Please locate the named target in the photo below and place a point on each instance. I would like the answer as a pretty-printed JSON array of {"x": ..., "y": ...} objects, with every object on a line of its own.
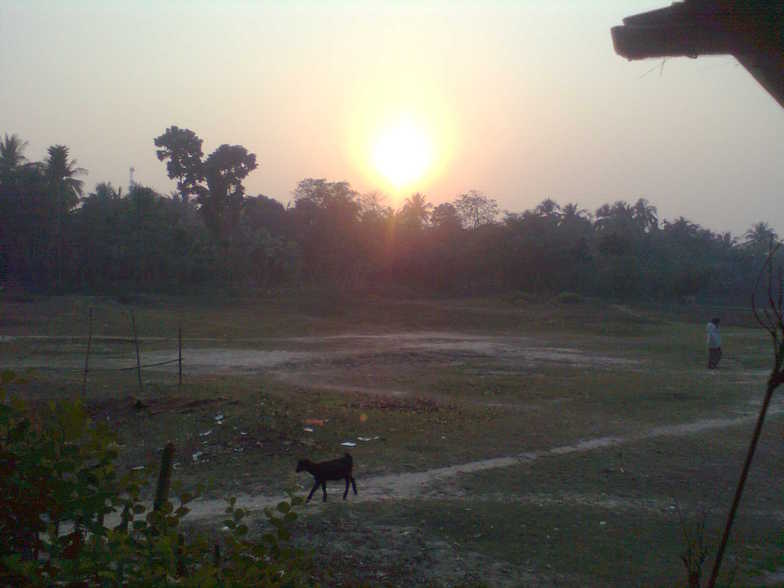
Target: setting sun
[{"x": 402, "y": 154}]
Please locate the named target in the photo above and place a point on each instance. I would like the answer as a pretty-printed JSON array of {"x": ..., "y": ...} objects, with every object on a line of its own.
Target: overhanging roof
[{"x": 751, "y": 30}]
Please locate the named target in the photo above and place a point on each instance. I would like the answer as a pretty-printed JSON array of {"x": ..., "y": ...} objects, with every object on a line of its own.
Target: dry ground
[{"x": 496, "y": 441}]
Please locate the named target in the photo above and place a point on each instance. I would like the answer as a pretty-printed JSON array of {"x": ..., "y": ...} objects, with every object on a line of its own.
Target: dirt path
[
  {"x": 300, "y": 351},
  {"x": 405, "y": 486}
]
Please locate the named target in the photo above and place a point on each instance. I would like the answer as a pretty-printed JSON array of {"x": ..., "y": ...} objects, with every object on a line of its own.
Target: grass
[{"x": 626, "y": 371}]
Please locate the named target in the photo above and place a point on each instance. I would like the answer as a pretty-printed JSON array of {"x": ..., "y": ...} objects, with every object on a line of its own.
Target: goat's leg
[
  {"x": 345, "y": 493},
  {"x": 312, "y": 490},
  {"x": 353, "y": 485},
  {"x": 324, "y": 488}
]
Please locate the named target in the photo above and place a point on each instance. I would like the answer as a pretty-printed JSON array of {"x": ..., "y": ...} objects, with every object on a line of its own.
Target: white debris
[
  {"x": 205, "y": 433},
  {"x": 348, "y": 444}
]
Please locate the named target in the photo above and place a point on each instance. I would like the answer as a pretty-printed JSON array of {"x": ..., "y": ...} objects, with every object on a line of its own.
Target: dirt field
[{"x": 496, "y": 442}]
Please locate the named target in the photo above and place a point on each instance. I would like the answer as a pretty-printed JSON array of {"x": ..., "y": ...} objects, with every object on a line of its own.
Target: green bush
[{"x": 61, "y": 489}]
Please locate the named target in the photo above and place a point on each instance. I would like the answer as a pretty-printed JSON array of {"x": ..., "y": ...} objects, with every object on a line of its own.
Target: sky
[{"x": 521, "y": 100}]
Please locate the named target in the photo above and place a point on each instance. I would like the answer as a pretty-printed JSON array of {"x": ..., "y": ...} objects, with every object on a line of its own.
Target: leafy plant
[{"x": 70, "y": 518}]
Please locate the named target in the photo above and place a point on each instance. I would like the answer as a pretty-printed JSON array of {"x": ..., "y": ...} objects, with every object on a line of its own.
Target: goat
[{"x": 336, "y": 469}]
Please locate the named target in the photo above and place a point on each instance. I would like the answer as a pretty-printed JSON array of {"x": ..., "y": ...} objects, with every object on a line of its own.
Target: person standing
[{"x": 714, "y": 343}]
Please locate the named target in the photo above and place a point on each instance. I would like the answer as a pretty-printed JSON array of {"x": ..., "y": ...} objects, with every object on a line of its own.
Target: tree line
[{"x": 209, "y": 233}]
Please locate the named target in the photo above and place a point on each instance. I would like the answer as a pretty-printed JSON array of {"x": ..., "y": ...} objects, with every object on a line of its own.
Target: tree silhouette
[
  {"x": 181, "y": 149},
  {"x": 445, "y": 217},
  {"x": 476, "y": 209},
  {"x": 11, "y": 155},
  {"x": 64, "y": 193},
  {"x": 415, "y": 212},
  {"x": 61, "y": 175},
  {"x": 758, "y": 238},
  {"x": 221, "y": 200}
]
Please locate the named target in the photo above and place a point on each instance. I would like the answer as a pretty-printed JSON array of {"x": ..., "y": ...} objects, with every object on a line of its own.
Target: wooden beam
[{"x": 750, "y": 30}]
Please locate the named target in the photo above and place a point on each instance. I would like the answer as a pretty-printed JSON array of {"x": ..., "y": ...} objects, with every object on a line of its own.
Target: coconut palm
[
  {"x": 548, "y": 208},
  {"x": 12, "y": 157},
  {"x": 416, "y": 211},
  {"x": 759, "y": 238},
  {"x": 64, "y": 191},
  {"x": 61, "y": 172},
  {"x": 645, "y": 215}
]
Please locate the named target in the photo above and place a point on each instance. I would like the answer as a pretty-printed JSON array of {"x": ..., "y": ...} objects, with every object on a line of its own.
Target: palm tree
[
  {"x": 11, "y": 156},
  {"x": 416, "y": 210},
  {"x": 759, "y": 238},
  {"x": 548, "y": 208},
  {"x": 572, "y": 212},
  {"x": 61, "y": 175},
  {"x": 760, "y": 232},
  {"x": 64, "y": 190},
  {"x": 645, "y": 215}
]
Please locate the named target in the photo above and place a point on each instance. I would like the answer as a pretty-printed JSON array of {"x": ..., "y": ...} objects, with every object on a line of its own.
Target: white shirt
[{"x": 713, "y": 336}]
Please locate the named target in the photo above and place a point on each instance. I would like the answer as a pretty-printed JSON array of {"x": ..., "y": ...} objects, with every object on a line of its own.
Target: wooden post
[
  {"x": 138, "y": 355},
  {"x": 87, "y": 355},
  {"x": 179, "y": 356},
  {"x": 164, "y": 477}
]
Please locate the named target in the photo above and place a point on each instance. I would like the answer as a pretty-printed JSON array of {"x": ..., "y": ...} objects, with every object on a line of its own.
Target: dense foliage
[
  {"x": 210, "y": 233},
  {"x": 68, "y": 517}
]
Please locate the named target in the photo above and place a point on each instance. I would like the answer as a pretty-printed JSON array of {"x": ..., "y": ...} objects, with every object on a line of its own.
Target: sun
[{"x": 402, "y": 153}]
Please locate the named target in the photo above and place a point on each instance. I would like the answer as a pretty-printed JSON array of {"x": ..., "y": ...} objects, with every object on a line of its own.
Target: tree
[
  {"x": 105, "y": 191},
  {"x": 373, "y": 209},
  {"x": 11, "y": 156},
  {"x": 758, "y": 239},
  {"x": 64, "y": 192},
  {"x": 221, "y": 200},
  {"x": 61, "y": 175},
  {"x": 445, "y": 216},
  {"x": 645, "y": 215},
  {"x": 572, "y": 212},
  {"x": 182, "y": 149},
  {"x": 323, "y": 194},
  {"x": 326, "y": 221},
  {"x": 216, "y": 181},
  {"x": 415, "y": 213},
  {"x": 549, "y": 209},
  {"x": 476, "y": 209}
]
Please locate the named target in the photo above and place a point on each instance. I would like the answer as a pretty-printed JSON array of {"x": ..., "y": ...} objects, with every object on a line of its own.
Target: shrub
[{"x": 61, "y": 486}]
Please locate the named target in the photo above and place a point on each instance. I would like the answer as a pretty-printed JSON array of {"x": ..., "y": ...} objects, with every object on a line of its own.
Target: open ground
[{"x": 498, "y": 441}]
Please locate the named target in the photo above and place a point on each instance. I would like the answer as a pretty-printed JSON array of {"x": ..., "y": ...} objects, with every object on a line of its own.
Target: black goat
[{"x": 336, "y": 469}]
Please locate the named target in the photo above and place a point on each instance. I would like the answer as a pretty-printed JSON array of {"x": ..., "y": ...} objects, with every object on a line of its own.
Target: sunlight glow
[
  {"x": 403, "y": 153},
  {"x": 398, "y": 141}
]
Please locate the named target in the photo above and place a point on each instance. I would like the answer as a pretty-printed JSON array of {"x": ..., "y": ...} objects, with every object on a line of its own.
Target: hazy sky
[{"x": 522, "y": 100}]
